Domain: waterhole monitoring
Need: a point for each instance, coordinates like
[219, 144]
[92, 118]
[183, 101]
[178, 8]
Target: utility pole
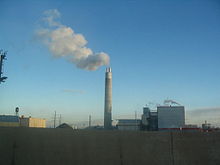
[135, 115]
[136, 118]
[60, 120]
[2, 57]
[54, 124]
[90, 121]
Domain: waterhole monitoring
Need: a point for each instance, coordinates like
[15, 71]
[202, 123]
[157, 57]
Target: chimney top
[108, 69]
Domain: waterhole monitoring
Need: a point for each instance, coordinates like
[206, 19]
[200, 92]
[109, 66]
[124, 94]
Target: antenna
[3, 57]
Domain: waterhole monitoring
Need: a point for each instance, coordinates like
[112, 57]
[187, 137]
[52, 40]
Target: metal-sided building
[171, 117]
[149, 120]
[9, 121]
[129, 124]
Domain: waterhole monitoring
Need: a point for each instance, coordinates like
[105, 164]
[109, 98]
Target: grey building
[129, 124]
[149, 120]
[171, 117]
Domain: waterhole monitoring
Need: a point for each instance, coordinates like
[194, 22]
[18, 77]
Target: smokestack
[108, 99]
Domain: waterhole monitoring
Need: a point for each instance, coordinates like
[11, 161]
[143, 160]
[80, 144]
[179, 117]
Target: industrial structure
[2, 57]
[129, 124]
[9, 121]
[32, 122]
[149, 120]
[206, 126]
[171, 117]
[16, 121]
[168, 116]
[108, 99]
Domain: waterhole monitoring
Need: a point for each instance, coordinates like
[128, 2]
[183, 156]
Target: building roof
[171, 106]
[9, 118]
[128, 121]
[64, 125]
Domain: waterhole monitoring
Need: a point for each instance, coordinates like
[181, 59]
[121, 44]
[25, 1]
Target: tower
[108, 99]
[2, 57]
[16, 111]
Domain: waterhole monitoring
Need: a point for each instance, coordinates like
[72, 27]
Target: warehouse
[171, 117]
[9, 121]
[129, 124]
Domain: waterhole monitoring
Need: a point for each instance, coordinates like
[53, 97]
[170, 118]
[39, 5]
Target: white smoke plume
[62, 41]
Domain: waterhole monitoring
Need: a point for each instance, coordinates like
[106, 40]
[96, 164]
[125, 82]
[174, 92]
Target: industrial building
[166, 117]
[149, 120]
[129, 124]
[9, 121]
[32, 122]
[171, 117]
[16, 121]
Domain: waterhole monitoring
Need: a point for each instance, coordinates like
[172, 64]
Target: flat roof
[128, 120]
[9, 118]
[166, 106]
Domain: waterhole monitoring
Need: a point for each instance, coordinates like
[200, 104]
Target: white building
[171, 117]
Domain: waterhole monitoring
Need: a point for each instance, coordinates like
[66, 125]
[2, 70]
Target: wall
[38, 146]
[37, 122]
[24, 121]
[171, 116]
[9, 124]
[32, 122]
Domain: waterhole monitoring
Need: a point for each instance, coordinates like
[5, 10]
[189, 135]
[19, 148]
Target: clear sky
[158, 49]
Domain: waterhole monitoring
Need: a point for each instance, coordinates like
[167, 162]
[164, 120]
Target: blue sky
[157, 49]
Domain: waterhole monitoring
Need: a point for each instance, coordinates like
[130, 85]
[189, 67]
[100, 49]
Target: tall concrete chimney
[108, 99]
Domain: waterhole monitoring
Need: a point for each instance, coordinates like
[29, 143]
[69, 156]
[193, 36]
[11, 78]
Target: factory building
[149, 120]
[32, 122]
[166, 117]
[171, 117]
[129, 124]
[16, 121]
[9, 121]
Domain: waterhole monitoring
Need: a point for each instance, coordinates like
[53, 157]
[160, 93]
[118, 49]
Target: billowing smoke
[62, 41]
[167, 102]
